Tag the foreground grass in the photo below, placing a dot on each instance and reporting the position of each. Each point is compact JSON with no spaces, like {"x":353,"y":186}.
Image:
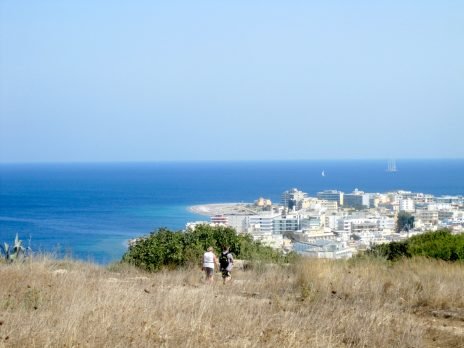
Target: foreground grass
{"x":316,"y":303}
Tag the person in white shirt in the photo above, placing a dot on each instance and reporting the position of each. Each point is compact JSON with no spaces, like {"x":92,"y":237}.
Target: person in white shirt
{"x":209,"y":262}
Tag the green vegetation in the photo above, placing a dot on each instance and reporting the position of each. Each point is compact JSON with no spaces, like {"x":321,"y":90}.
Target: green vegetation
{"x":12,"y":253}
{"x":165,"y":248}
{"x":404,"y":222}
{"x":438,"y":245}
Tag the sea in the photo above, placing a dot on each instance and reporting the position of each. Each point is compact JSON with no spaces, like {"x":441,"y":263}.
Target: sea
{"x":89,"y":211}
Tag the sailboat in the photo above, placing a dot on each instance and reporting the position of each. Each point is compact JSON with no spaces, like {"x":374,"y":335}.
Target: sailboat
{"x":323,"y":173}
{"x":391,"y":168}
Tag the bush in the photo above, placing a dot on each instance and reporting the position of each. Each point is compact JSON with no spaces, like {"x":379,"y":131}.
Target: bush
{"x":438,"y":245}
{"x":391,"y":251}
{"x":165,"y":248}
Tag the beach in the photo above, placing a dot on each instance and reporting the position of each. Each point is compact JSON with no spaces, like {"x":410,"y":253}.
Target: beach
{"x":221,"y":209}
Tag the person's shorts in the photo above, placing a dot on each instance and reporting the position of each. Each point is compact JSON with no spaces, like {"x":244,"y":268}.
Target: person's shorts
{"x":209,"y":271}
{"x":225,"y":274}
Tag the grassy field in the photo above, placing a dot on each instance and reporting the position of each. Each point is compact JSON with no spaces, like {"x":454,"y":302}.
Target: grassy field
{"x":315,"y":303}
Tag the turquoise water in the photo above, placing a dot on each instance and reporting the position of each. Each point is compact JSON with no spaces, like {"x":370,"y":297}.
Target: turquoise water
{"x":89,"y":211}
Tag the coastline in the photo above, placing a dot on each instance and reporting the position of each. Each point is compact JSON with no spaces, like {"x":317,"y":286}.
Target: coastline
{"x":56,"y":213}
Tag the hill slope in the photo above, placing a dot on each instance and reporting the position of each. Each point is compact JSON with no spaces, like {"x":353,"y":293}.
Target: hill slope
{"x":316,"y":303}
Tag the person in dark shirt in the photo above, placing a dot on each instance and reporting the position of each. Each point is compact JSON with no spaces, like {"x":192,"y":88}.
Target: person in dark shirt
{"x":226,"y":263}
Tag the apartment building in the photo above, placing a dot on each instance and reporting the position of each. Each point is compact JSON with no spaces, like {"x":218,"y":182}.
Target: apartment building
{"x":262,"y":223}
{"x":332,"y":195}
{"x":425,"y":216}
{"x":407,"y":205}
{"x":287,"y":223}
{"x":291,"y":199}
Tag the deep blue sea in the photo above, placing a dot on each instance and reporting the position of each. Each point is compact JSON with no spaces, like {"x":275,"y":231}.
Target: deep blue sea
{"x":89,"y":211}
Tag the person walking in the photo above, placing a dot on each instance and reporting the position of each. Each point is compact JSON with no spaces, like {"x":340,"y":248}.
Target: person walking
{"x":209,"y":262}
{"x":226,"y":263}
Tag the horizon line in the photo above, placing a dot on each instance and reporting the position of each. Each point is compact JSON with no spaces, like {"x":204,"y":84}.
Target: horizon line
{"x":231,"y":160}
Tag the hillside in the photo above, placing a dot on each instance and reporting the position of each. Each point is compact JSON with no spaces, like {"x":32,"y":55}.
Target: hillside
{"x":316,"y":303}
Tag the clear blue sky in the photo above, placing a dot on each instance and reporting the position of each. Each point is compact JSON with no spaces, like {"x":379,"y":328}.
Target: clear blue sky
{"x":231,"y":80}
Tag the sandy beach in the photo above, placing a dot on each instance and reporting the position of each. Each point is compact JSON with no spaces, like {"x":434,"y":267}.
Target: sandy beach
{"x":222,"y":208}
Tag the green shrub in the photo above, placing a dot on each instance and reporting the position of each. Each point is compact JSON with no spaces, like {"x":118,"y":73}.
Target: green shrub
{"x":165,"y":248}
{"x":391,"y":251}
{"x":441,"y":244}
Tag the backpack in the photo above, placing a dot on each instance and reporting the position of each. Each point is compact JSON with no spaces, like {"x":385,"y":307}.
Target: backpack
{"x":224,"y":260}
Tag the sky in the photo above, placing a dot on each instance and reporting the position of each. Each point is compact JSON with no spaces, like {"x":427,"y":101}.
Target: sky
{"x":97,"y":81}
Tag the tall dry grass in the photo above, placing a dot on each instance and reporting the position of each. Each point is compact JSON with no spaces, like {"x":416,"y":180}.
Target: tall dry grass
{"x":316,"y":303}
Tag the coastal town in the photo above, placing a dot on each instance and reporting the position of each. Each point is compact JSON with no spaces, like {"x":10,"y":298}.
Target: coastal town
{"x":334,"y":224}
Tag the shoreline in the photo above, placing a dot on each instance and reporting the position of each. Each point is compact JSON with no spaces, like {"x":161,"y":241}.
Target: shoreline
{"x":219,"y":209}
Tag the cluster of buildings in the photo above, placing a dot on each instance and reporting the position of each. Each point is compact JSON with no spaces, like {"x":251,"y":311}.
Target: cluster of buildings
{"x":334,"y":224}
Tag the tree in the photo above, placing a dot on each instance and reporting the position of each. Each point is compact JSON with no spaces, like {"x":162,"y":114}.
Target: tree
{"x":404,"y":222}
{"x":164,"y":248}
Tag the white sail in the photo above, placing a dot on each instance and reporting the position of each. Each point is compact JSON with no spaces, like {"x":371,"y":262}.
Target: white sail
{"x":391,"y":166}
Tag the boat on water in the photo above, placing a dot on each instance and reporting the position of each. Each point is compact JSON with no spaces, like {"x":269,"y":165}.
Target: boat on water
{"x":323,"y":173}
{"x":391,"y":168}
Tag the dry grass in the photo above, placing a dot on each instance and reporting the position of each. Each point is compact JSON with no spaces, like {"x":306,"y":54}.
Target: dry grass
{"x":317,"y":303}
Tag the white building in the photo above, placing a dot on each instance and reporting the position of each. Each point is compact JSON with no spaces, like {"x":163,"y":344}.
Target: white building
{"x":275,"y":241}
{"x":291,"y":199}
{"x":318,"y":234}
{"x":426,"y":217}
{"x":407,"y":205}
{"x":238,"y":222}
{"x":386,"y":223}
{"x":219,"y":220}
{"x":262,"y":223}
{"x":309,"y":222}
{"x":331,"y":195}
{"x":286,"y":224}
{"x":324,"y":249}
{"x":331,"y":221}
{"x":366,"y":225}
{"x":357,"y":199}
{"x":329,"y":205}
